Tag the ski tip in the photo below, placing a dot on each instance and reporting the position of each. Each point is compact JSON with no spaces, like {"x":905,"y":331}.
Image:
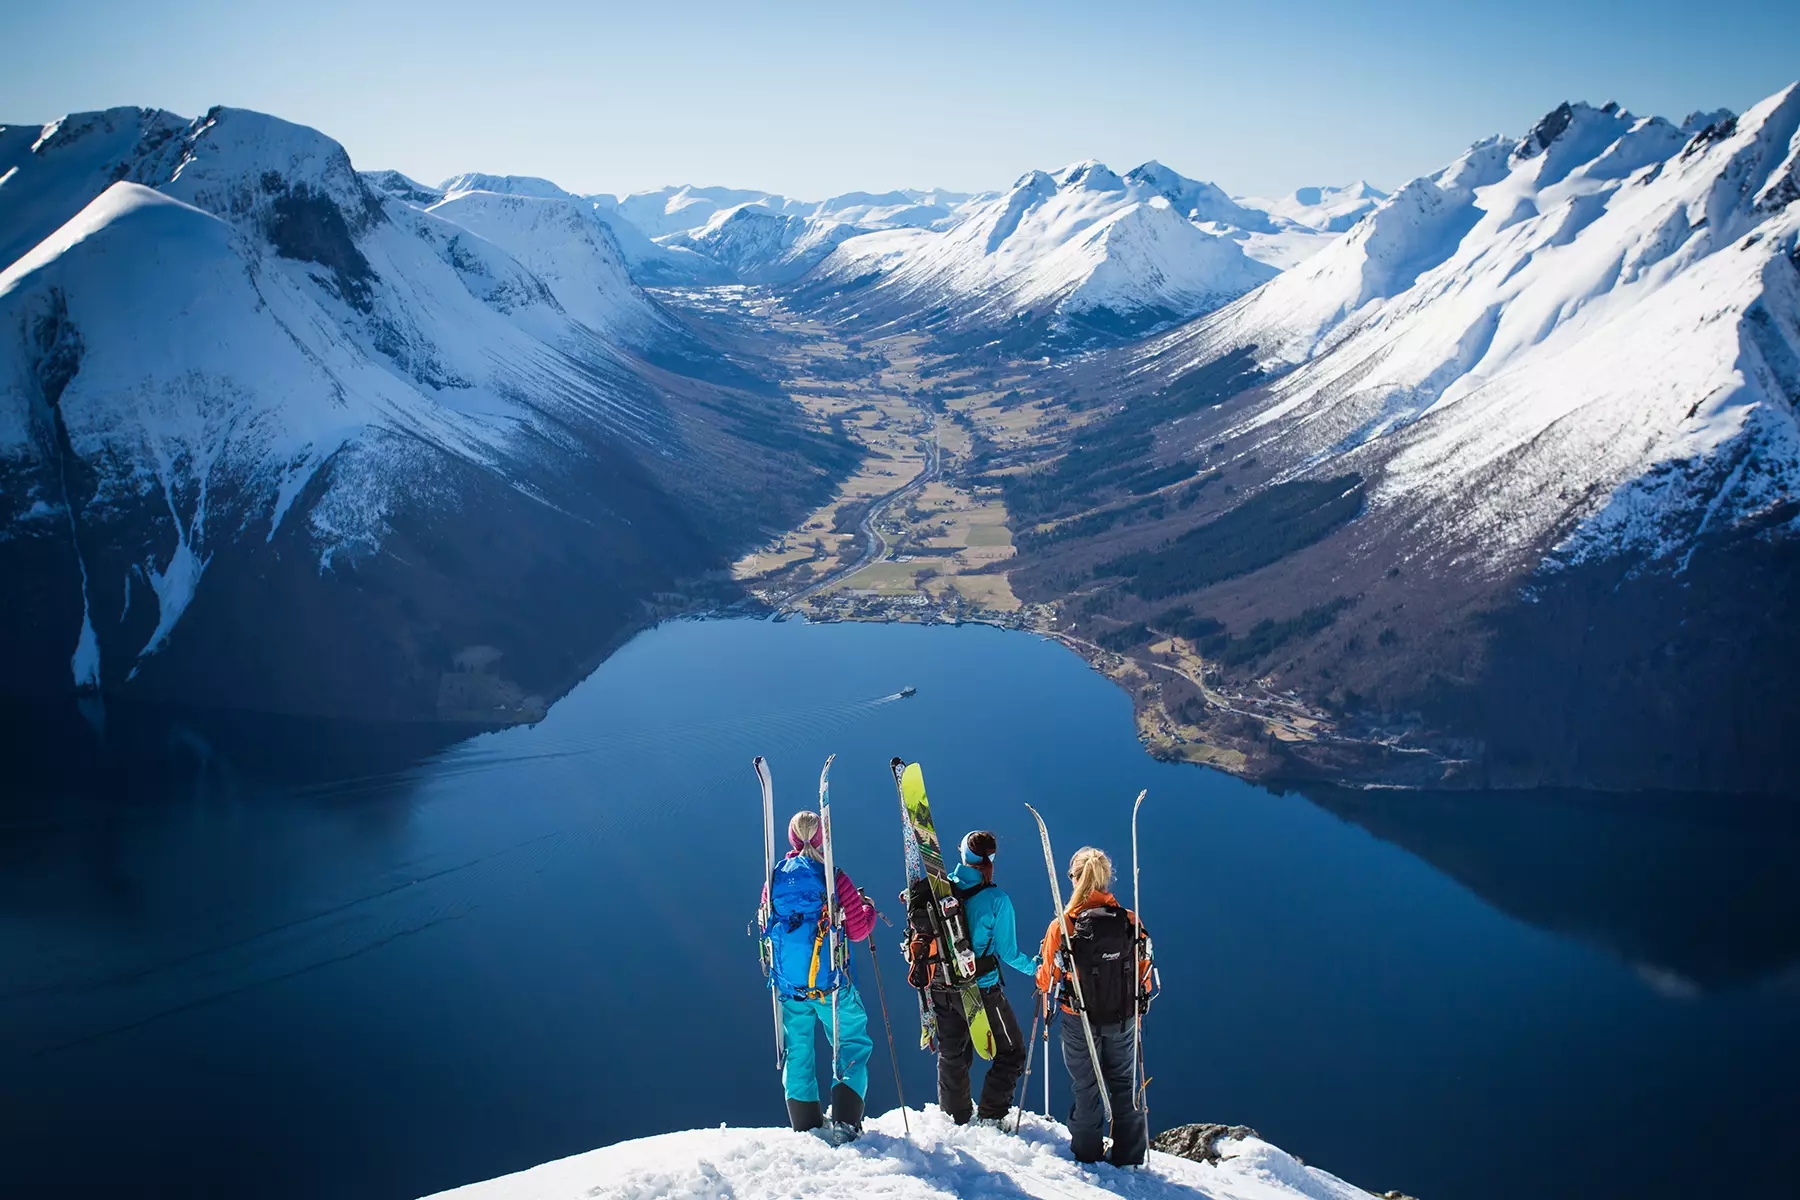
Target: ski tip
{"x":897,"y":763}
{"x":1140,"y":798}
{"x":757,"y":762}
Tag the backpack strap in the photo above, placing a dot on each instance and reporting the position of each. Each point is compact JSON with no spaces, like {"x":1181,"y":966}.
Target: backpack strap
{"x":984,"y":963}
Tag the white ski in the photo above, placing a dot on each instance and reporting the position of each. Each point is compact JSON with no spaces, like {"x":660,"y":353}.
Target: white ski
{"x":833,"y":913}
{"x":762,"y":912}
{"x":1087,"y":1027}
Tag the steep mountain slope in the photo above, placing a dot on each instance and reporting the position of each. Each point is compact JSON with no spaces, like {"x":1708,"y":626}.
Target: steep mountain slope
{"x":271,"y":439}
{"x":1510,"y":466}
{"x":758,"y":245}
{"x":521,"y":211}
{"x":936,"y":1159}
{"x":1075,"y":256}
{"x":558,"y":238}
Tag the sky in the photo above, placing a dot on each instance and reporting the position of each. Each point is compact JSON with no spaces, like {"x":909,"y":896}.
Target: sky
{"x":812,"y":100}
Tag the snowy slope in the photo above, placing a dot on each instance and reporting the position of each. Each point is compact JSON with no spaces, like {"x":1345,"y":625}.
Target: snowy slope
{"x":240,"y":349}
{"x":1588,"y":336}
{"x":403,"y":187}
{"x":938,"y":1159}
{"x":687,"y":209}
{"x":759,"y":245}
{"x":560,"y":239}
{"x":1324,"y":209}
{"x":686,"y":235}
{"x":606,"y":245}
{"x":1082,"y":251}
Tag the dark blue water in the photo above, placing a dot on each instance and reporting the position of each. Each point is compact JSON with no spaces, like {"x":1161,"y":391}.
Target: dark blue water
{"x":535,"y":943}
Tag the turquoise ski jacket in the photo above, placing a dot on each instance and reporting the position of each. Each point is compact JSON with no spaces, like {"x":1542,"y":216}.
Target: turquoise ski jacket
{"x":992,"y":927}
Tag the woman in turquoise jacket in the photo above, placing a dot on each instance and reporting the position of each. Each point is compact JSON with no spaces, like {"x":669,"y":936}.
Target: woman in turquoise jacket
{"x":995,"y":937}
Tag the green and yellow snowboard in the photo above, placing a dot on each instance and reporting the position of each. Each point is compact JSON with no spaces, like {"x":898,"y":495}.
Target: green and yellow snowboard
{"x":925,"y":860}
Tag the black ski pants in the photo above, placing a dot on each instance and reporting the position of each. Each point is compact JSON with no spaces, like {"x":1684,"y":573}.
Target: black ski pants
{"x":956,"y":1053}
{"x":1087,"y":1119}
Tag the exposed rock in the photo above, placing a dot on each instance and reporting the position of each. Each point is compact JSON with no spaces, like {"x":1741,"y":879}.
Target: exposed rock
{"x":1199,"y":1142}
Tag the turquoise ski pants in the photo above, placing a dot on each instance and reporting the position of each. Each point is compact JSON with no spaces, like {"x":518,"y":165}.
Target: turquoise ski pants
{"x":799,"y":1018}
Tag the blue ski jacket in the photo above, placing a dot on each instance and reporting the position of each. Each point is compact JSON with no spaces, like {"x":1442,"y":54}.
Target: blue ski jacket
{"x":992,"y":926}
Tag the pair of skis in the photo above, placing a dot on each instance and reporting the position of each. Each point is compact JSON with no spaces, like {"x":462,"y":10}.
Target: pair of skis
{"x":1074,"y":976}
{"x":836,"y":944}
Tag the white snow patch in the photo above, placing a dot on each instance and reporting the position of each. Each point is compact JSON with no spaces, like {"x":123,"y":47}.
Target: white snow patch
{"x":938,"y":1159}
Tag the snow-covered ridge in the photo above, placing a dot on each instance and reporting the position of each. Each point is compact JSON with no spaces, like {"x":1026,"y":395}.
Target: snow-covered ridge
{"x":937,"y":1159}
{"x":1080,"y":248}
{"x":220,"y":318}
{"x":1587,"y":336}
{"x":688,"y":209}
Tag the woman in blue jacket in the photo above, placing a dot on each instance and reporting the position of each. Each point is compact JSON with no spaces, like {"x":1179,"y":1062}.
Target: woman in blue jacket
{"x":995,"y":937}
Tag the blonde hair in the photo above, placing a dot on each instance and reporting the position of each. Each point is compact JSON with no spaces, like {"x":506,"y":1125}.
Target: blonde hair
{"x":804,"y":829}
{"x":1090,"y":871}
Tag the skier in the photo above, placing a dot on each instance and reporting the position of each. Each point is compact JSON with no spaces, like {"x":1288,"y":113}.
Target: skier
{"x":804,"y":979}
{"x":1102,"y":953}
{"x":995,"y":937}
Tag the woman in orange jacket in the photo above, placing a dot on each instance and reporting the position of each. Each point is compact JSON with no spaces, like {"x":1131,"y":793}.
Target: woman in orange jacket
{"x":1107,"y":941}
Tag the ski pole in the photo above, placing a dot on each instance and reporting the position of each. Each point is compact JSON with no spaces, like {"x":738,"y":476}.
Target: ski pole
{"x":1024,"y":1096}
{"x":880,"y":995}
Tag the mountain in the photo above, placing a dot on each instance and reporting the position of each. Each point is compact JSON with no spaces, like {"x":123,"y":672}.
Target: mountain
{"x":935,"y":1158}
{"x":593,"y":224}
{"x":560,"y":239}
{"x":1076,"y":256}
{"x":759,"y":245}
{"x":687,"y":209}
{"x":1323,"y":209}
{"x":1505,"y":474}
{"x":273,"y":439}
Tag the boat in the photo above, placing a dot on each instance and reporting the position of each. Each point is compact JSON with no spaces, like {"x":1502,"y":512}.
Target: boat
{"x":908,"y":691}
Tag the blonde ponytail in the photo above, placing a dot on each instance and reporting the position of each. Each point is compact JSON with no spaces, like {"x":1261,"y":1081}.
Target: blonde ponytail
{"x":803,"y":834}
{"x":1090,"y":871}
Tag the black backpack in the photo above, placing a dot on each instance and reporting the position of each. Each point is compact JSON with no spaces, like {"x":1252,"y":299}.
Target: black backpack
{"x":1102,"y":952}
{"x":928,"y":931}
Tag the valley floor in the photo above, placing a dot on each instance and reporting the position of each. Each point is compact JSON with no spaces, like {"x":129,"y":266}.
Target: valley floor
{"x":918,"y":532}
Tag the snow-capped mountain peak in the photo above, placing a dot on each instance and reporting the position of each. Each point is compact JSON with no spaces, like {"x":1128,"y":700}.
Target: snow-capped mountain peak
{"x":1606,"y":306}
{"x":1080,"y":250}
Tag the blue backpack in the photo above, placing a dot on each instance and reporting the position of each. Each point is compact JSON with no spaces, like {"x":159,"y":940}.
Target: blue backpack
{"x":800,"y":953}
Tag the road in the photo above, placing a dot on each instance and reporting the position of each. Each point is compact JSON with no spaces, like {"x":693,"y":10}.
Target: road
{"x":876,"y":548}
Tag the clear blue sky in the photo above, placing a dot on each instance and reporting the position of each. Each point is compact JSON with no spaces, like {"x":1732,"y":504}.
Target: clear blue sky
{"x":812,"y":99}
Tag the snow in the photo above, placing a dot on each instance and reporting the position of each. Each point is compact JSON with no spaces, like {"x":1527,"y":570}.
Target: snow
{"x":761,"y":246}
{"x":1577,"y":338}
{"x":1079,"y":241}
{"x":560,"y":239}
{"x":244,"y":309}
{"x":937,"y":1159}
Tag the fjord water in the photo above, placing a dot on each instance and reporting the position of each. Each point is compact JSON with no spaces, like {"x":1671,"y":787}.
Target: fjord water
{"x":534,"y":943}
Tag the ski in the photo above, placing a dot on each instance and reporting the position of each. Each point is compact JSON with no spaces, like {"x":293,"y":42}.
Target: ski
{"x":957,"y":953}
{"x":1137,"y":963}
{"x":834,"y":913}
{"x":765,"y":947}
{"x":1068,"y":943}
